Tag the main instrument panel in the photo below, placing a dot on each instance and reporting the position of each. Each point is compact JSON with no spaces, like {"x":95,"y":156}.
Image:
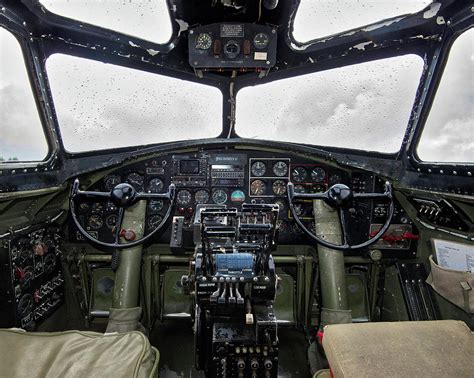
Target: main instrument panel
{"x":234,"y":177}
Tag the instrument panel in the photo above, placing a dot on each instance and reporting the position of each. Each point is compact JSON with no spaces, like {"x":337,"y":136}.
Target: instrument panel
{"x":230,"y":177}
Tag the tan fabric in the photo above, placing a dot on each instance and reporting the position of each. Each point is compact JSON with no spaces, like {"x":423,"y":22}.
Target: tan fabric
{"x":76,"y":354}
{"x":442,"y":348}
{"x":454,"y":285}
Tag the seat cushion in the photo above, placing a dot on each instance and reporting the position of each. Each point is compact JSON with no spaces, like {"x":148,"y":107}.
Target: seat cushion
{"x":442,"y":348}
{"x":76,"y":354}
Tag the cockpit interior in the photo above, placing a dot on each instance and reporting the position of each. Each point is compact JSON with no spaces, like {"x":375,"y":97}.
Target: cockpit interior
{"x":236,"y":188}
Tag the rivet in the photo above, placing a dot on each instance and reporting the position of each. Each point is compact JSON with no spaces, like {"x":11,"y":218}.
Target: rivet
{"x":441,"y":171}
{"x":469,"y":173}
{"x":455,"y":173}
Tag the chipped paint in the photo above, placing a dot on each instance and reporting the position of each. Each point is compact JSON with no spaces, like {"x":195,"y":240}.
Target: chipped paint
{"x":432,"y":11}
{"x":440,"y":20}
{"x":183,"y":26}
{"x":124,"y":55}
{"x":382,"y":24}
{"x":361,"y":46}
{"x":152,"y":52}
{"x":133,"y":44}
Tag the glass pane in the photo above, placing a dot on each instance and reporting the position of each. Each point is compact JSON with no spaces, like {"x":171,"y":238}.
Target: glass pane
{"x":101,"y":106}
{"x":364,"y":106}
{"x":321,"y":18}
{"x":146,"y":19}
{"x":448,"y":135}
{"x":21,"y":132}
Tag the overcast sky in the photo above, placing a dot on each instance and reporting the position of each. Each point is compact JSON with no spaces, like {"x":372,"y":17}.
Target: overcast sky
{"x":364,"y":106}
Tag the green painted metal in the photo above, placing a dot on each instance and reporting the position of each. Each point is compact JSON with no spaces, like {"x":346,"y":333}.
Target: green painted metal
{"x":127,"y":277}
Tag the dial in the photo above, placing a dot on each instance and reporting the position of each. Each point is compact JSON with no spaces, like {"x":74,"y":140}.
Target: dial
{"x":257,"y":188}
{"x":154,"y":221}
{"x":300,"y":189}
{"x":299,"y":174}
{"x":259,"y":168}
{"x":203,"y":41}
{"x":201,"y":196}
{"x":280,"y":168}
{"x":279,"y":187}
{"x":183,"y":197}
{"x":111,"y":182}
{"x":219,"y":196}
{"x":97,"y":207}
{"x":261,"y":40}
{"x":111,"y":221}
{"x":83,"y":207}
{"x":155,"y":186}
{"x":318,"y":174}
{"x":237,"y":196}
{"x":95,"y":222}
{"x":136,"y":180}
{"x":155,"y":204}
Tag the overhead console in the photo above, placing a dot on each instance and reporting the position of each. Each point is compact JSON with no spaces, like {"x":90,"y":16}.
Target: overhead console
{"x":232,"y":46}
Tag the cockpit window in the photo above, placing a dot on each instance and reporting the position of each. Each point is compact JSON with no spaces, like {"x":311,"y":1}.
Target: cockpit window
{"x":146,"y":19}
{"x":321,"y":18}
{"x":448,"y":135}
{"x":365,"y":106}
{"x":101,"y":106}
{"x":21,"y":133}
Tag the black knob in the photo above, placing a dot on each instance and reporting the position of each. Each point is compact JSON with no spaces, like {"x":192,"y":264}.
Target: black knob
{"x":123,"y":195}
{"x":339,"y":195}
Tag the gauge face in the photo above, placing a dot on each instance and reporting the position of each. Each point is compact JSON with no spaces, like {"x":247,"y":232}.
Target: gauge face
{"x":257,"y":188}
{"x":136,"y":180}
{"x":219,"y":196}
{"x":111,"y":182}
{"x":155,"y":186}
{"x":318,"y":174}
{"x":203,"y":41}
{"x":97,"y":207}
{"x":280,"y":168}
{"x":258,"y":168}
{"x":183,"y":197}
{"x":155,"y":204}
{"x":279,"y":187}
{"x":111,"y":221}
{"x":237,"y":196}
{"x":299,"y":174}
{"x":154,"y":221}
{"x":300,"y":189}
{"x":83,"y":207}
{"x":201,"y":196}
{"x":95,"y":222}
{"x":261,"y":40}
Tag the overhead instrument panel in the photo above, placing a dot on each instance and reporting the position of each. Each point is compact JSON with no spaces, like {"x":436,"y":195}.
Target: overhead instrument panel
{"x":232,"y":45}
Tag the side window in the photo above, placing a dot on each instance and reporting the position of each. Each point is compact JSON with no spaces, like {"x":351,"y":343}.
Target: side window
{"x":21,"y":133}
{"x":448,"y":135}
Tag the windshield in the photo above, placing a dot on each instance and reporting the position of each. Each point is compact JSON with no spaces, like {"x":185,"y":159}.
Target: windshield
{"x":365,"y":106}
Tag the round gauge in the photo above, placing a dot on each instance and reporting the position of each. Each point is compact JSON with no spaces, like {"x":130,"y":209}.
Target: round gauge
{"x":299,"y":209}
{"x":83,"y":207}
{"x":155,"y":186}
{"x":299,"y":174}
{"x":280,"y":168}
{"x":219,"y":196}
{"x":237,"y":196}
{"x":111,"y":221}
{"x":261,"y":40}
{"x":136,"y":180}
{"x":201,"y":196}
{"x":258,"y":168}
{"x":111,"y":182}
{"x":95,"y":222}
{"x":183,"y":197}
{"x":279,"y":187}
{"x":203,"y":41}
{"x":110,"y":207}
{"x":28,"y":275}
{"x":257,"y":188}
{"x":49,"y":262}
{"x":155,"y":204}
{"x":318,"y":174}
{"x":300,"y":189}
{"x":335,"y":179}
{"x":97,"y":207}
{"x":154,"y":221}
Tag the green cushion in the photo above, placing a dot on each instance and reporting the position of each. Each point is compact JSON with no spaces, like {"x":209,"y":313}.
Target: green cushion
{"x":76,"y":354}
